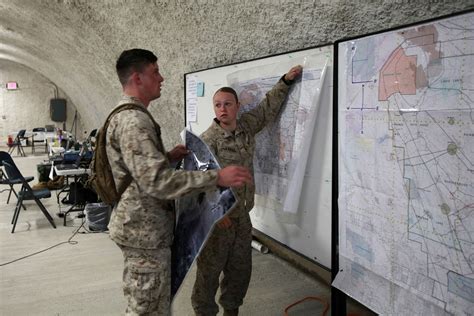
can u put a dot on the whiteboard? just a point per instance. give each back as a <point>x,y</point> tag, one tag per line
<point>308,229</point>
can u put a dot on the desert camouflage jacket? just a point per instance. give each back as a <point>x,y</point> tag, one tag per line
<point>238,148</point>
<point>144,216</point>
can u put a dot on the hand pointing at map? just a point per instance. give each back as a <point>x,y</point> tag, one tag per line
<point>293,73</point>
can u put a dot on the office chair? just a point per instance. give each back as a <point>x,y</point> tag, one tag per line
<point>26,193</point>
<point>92,134</point>
<point>89,144</point>
<point>17,143</point>
<point>4,156</point>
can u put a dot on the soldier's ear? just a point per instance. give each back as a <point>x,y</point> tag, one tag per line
<point>238,105</point>
<point>135,77</point>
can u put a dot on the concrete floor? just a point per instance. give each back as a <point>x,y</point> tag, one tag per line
<point>84,278</point>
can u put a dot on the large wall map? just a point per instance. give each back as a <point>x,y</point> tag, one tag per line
<point>279,146</point>
<point>292,163</point>
<point>406,204</point>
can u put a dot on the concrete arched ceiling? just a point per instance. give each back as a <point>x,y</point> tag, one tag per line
<point>59,45</point>
<point>75,43</point>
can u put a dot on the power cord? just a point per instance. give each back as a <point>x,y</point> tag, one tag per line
<point>88,231</point>
<point>69,241</point>
<point>315,298</point>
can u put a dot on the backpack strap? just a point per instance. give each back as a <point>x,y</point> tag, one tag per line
<point>122,107</point>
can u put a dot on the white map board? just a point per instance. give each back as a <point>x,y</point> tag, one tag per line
<point>406,169</point>
<point>303,129</point>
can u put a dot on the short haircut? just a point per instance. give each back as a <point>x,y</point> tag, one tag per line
<point>228,90</point>
<point>133,60</point>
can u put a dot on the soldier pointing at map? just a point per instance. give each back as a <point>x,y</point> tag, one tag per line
<point>228,248</point>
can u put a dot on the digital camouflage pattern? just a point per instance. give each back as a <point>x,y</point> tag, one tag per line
<point>147,278</point>
<point>144,216</point>
<point>238,148</point>
<point>229,250</point>
<point>142,222</point>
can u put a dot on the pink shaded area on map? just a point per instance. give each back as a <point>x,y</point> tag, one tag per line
<point>398,75</point>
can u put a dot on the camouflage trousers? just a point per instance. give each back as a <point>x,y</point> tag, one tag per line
<point>229,251</point>
<point>147,280</point>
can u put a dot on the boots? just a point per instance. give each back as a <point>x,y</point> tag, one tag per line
<point>56,183</point>
<point>40,185</point>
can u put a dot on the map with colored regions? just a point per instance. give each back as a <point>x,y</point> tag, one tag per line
<point>279,146</point>
<point>406,169</point>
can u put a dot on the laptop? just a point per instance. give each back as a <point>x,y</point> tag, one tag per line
<point>73,164</point>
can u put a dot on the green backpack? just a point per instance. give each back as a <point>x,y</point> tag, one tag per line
<point>101,178</point>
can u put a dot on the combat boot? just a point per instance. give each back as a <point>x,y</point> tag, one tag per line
<point>40,186</point>
<point>56,184</point>
<point>231,312</point>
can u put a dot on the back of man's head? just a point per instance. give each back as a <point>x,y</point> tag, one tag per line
<point>132,60</point>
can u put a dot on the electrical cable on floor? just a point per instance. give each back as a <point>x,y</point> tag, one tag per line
<point>315,298</point>
<point>88,231</point>
<point>69,241</point>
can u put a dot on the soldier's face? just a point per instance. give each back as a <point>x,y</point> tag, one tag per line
<point>225,107</point>
<point>151,80</point>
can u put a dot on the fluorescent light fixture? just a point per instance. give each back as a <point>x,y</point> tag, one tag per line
<point>12,85</point>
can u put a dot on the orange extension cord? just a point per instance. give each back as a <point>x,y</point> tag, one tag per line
<point>315,298</point>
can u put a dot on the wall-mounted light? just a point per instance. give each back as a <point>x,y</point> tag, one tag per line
<point>12,85</point>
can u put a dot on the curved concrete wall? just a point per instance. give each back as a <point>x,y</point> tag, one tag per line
<point>75,43</point>
<point>29,106</point>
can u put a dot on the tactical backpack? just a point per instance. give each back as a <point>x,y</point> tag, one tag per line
<point>101,179</point>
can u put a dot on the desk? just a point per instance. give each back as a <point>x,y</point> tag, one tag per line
<point>75,173</point>
<point>72,172</point>
<point>27,134</point>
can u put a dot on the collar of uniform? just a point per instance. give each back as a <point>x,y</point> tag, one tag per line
<point>225,132</point>
<point>126,99</point>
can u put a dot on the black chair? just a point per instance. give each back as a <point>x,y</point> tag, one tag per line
<point>90,141</point>
<point>26,193</point>
<point>17,143</point>
<point>4,156</point>
<point>39,136</point>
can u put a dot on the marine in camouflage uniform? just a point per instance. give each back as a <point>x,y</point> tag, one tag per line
<point>142,222</point>
<point>228,250</point>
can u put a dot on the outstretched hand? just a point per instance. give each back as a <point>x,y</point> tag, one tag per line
<point>177,153</point>
<point>293,73</point>
<point>234,176</point>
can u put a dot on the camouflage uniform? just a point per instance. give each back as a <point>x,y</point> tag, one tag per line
<point>228,250</point>
<point>143,220</point>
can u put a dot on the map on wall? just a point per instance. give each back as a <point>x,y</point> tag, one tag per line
<point>281,150</point>
<point>406,164</point>
<point>293,153</point>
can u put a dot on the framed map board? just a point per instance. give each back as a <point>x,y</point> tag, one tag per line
<point>405,100</point>
<point>293,155</point>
